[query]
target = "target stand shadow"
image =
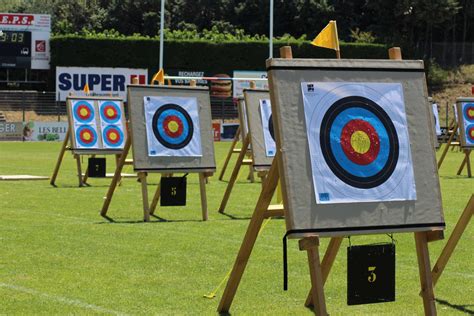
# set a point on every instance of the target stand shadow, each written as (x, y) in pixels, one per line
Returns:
(259, 134)
(308, 220)
(96, 126)
(170, 128)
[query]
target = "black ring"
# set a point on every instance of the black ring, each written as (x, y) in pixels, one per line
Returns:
(165, 143)
(352, 180)
(270, 127)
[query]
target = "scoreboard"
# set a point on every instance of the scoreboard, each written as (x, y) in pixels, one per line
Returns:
(15, 49)
(24, 40)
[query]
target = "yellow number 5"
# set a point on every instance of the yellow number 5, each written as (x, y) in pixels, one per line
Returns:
(173, 191)
(372, 277)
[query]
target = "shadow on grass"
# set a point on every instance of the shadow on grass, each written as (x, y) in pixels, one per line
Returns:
(233, 217)
(110, 220)
(468, 309)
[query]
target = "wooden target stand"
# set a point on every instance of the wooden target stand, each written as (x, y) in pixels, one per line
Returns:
(466, 161)
(247, 158)
(319, 270)
(67, 145)
(149, 209)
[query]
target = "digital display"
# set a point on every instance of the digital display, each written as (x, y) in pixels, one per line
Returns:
(13, 37)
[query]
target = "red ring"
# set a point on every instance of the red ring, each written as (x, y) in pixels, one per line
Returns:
(360, 125)
(109, 132)
(78, 110)
(167, 130)
(105, 109)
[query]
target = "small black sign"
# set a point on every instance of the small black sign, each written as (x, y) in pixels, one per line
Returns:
(173, 191)
(96, 168)
(371, 274)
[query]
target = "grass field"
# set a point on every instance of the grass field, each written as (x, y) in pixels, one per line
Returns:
(58, 256)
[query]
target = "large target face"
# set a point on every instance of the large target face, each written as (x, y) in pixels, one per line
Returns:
(267, 127)
(359, 144)
(172, 126)
(83, 112)
(86, 136)
(468, 118)
(110, 112)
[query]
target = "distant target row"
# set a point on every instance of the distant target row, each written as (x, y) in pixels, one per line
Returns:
(464, 108)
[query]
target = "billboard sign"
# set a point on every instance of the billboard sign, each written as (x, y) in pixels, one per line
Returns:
(240, 85)
(24, 40)
(11, 131)
(110, 82)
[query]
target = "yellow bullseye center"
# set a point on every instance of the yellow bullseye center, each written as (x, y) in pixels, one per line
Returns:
(86, 136)
(173, 126)
(472, 133)
(113, 136)
(360, 141)
(471, 112)
(110, 112)
(83, 112)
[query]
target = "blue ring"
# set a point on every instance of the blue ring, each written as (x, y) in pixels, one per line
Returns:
(104, 136)
(117, 108)
(335, 142)
(91, 109)
(78, 136)
(173, 140)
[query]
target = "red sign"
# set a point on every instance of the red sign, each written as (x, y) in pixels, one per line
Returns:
(17, 19)
(141, 78)
(216, 127)
(40, 46)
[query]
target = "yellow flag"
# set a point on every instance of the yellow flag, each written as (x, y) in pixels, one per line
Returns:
(327, 37)
(86, 89)
(159, 77)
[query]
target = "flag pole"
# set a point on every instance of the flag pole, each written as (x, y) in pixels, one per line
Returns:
(270, 49)
(162, 26)
(338, 51)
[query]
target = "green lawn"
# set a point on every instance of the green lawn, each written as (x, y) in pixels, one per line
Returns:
(58, 256)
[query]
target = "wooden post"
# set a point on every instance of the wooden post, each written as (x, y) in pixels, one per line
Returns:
(117, 176)
(250, 238)
(79, 171)
(424, 269)
(146, 209)
(229, 154)
(86, 173)
(156, 197)
(311, 245)
(285, 52)
(235, 174)
(395, 53)
(446, 148)
(467, 152)
(60, 158)
(453, 240)
(202, 187)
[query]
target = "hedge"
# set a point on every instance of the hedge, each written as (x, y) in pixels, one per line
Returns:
(74, 50)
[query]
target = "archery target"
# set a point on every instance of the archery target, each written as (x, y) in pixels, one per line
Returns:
(83, 112)
(86, 137)
(110, 112)
(113, 137)
(172, 125)
(358, 141)
(267, 124)
(468, 123)
(436, 119)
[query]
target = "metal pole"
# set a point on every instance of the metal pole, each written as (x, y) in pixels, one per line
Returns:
(270, 48)
(162, 27)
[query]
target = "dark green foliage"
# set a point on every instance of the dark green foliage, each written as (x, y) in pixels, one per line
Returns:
(189, 55)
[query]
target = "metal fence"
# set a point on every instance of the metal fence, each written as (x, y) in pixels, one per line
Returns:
(24, 106)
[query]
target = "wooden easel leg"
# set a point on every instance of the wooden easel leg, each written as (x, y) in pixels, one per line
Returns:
(453, 241)
(146, 209)
(468, 162)
(326, 264)
(311, 245)
(251, 175)
(249, 239)
(234, 175)
(202, 188)
(156, 199)
(461, 167)
(60, 158)
(445, 151)
(79, 171)
(425, 273)
(117, 176)
(229, 154)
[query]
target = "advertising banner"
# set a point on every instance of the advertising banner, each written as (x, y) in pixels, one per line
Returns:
(11, 131)
(240, 85)
(110, 82)
(44, 131)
